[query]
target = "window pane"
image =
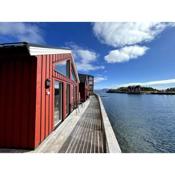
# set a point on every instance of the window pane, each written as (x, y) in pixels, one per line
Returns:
(90, 82)
(58, 103)
(68, 98)
(63, 68)
(74, 97)
(73, 75)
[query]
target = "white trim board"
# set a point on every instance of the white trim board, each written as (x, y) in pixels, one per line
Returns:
(44, 51)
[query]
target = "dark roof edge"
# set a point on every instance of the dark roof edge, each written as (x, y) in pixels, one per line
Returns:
(86, 75)
(27, 44)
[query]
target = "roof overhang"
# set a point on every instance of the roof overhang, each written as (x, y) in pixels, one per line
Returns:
(24, 48)
(33, 49)
(44, 51)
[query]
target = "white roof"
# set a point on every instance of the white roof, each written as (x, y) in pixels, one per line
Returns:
(44, 50)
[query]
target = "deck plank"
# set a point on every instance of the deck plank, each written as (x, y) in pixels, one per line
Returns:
(87, 136)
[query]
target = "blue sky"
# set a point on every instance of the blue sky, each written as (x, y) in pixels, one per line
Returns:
(117, 54)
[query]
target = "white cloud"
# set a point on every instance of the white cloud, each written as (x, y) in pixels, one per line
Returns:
(88, 67)
(99, 79)
(149, 83)
(125, 54)
(86, 55)
(85, 58)
(22, 31)
(128, 33)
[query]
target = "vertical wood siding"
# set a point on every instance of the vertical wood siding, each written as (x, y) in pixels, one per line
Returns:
(26, 110)
(17, 102)
(44, 116)
(45, 103)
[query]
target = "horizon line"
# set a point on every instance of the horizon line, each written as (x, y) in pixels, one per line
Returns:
(148, 83)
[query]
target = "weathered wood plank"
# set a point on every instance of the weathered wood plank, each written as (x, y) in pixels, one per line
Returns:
(87, 136)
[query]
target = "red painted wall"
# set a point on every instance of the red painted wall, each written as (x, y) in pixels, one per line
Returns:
(84, 92)
(44, 114)
(17, 101)
(26, 110)
(44, 102)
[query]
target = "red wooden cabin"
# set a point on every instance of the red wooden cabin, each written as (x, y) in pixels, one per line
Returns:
(86, 86)
(39, 88)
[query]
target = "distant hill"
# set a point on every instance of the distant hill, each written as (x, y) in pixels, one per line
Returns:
(140, 90)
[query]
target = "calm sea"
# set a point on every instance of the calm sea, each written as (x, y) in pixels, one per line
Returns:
(142, 123)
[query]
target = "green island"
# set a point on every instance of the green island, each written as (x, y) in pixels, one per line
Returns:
(142, 90)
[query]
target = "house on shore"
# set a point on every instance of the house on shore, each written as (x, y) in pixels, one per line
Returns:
(39, 89)
(134, 89)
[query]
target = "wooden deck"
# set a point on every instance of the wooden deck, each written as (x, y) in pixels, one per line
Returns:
(86, 130)
(87, 136)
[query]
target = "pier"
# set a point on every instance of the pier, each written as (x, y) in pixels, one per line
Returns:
(86, 130)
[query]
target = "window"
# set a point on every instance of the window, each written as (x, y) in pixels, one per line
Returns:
(91, 78)
(91, 82)
(63, 67)
(68, 99)
(74, 97)
(73, 75)
(58, 103)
